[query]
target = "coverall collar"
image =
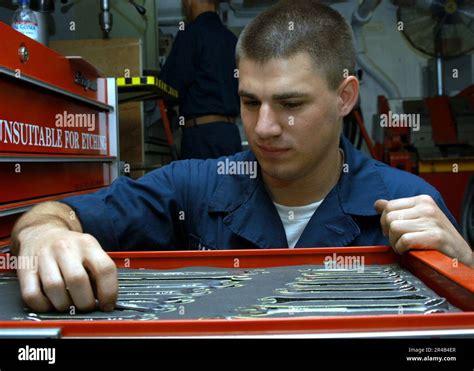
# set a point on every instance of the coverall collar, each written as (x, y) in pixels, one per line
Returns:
(253, 216)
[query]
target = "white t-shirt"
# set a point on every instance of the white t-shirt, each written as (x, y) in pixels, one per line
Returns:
(295, 219)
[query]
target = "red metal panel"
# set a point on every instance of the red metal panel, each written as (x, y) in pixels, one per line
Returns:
(29, 114)
(44, 64)
(452, 187)
(46, 179)
(442, 120)
(32, 202)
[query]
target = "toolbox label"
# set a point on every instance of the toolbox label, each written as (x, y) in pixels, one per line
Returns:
(29, 135)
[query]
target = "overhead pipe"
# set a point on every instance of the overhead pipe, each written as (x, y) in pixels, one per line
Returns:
(361, 16)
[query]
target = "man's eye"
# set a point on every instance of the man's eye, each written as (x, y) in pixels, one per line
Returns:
(251, 104)
(292, 105)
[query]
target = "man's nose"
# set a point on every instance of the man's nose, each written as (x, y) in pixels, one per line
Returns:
(267, 123)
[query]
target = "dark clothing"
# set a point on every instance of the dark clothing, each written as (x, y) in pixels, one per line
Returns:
(206, 141)
(191, 205)
(201, 66)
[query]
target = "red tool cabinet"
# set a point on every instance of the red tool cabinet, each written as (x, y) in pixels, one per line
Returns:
(58, 127)
(453, 281)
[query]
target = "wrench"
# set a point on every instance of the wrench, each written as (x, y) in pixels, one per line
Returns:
(150, 295)
(430, 306)
(349, 275)
(179, 285)
(151, 298)
(144, 306)
(341, 281)
(358, 269)
(180, 278)
(334, 311)
(315, 290)
(398, 282)
(286, 299)
(435, 302)
(84, 317)
(149, 272)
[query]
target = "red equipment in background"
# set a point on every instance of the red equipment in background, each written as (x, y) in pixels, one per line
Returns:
(58, 133)
(441, 151)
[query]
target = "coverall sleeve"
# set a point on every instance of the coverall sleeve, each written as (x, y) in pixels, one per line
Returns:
(179, 70)
(141, 214)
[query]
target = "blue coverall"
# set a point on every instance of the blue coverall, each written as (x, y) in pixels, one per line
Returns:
(189, 205)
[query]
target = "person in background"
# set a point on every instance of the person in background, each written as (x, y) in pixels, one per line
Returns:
(201, 66)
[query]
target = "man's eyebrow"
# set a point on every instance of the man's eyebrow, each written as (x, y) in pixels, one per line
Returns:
(289, 95)
(281, 96)
(246, 94)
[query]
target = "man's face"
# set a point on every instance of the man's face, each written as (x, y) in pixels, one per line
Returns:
(290, 115)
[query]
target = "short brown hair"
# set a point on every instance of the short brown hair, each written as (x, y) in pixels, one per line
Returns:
(293, 26)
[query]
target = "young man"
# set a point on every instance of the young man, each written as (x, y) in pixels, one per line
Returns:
(312, 187)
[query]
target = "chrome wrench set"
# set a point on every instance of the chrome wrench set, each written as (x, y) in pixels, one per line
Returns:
(321, 291)
(288, 291)
(145, 294)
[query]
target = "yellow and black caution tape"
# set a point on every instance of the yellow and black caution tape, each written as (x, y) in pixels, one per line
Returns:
(145, 87)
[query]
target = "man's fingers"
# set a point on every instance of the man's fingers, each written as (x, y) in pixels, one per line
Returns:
(399, 209)
(404, 214)
(104, 273)
(408, 202)
(416, 241)
(77, 280)
(53, 283)
(31, 291)
(379, 205)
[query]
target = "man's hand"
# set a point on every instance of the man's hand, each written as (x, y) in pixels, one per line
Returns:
(418, 223)
(71, 266)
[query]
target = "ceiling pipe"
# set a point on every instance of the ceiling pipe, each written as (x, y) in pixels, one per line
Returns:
(361, 16)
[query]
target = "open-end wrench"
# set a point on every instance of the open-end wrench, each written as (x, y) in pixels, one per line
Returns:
(188, 275)
(159, 285)
(430, 306)
(144, 306)
(341, 288)
(184, 273)
(353, 281)
(180, 278)
(349, 275)
(295, 298)
(160, 300)
(134, 291)
(333, 311)
(98, 316)
(361, 270)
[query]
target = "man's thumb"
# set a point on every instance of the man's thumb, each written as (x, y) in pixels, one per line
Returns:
(379, 205)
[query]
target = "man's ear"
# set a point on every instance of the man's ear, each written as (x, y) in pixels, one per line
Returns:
(348, 93)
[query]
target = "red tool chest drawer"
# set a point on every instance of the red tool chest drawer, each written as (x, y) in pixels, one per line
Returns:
(454, 282)
(58, 127)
